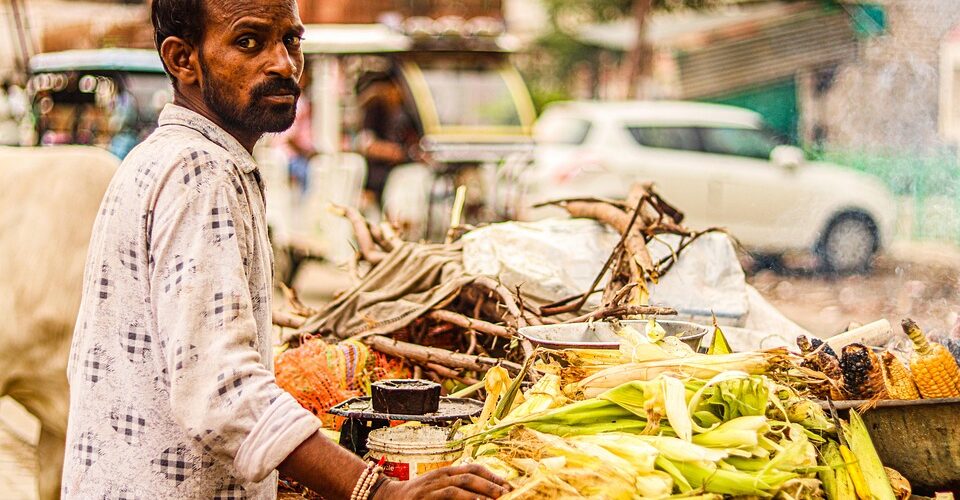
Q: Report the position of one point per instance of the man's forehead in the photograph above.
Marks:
(227, 12)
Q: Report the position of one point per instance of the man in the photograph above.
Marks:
(172, 390)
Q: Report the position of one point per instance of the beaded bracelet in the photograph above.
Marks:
(366, 482)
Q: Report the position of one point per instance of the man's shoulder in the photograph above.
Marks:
(180, 159)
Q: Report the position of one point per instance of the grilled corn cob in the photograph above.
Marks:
(934, 369)
(897, 378)
(824, 361)
(808, 345)
(862, 374)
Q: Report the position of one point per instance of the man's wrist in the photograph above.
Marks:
(380, 488)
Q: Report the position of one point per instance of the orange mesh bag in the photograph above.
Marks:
(320, 375)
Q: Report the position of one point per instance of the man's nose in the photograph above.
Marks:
(283, 63)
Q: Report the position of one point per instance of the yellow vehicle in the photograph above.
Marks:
(469, 117)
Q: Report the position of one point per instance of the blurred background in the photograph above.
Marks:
(822, 134)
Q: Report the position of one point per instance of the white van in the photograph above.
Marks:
(722, 167)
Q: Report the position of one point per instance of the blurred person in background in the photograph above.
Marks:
(172, 391)
(296, 143)
(388, 137)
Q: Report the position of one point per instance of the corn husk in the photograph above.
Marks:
(836, 480)
(866, 455)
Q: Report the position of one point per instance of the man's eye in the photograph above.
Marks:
(293, 41)
(247, 43)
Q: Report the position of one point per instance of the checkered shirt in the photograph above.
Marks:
(171, 367)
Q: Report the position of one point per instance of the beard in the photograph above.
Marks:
(257, 116)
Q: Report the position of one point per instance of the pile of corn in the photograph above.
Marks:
(669, 423)
(859, 373)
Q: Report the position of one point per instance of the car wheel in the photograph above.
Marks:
(771, 262)
(849, 244)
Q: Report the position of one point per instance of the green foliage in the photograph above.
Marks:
(557, 54)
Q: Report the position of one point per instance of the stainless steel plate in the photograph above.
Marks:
(600, 335)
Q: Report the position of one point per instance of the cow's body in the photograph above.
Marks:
(49, 198)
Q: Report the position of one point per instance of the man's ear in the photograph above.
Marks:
(181, 60)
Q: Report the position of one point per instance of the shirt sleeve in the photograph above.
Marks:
(220, 391)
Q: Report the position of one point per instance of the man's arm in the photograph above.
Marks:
(323, 466)
(219, 390)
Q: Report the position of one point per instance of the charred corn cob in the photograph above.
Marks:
(824, 361)
(808, 345)
(862, 372)
(934, 369)
(897, 378)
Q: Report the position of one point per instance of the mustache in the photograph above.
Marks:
(276, 86)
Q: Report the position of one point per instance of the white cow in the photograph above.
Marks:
(49, 198)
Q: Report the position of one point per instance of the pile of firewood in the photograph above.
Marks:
(478, 327)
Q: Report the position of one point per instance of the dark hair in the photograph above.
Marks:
(180, 18)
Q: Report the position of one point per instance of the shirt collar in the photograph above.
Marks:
(173, 114)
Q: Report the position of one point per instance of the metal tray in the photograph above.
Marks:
(919, 438)
(600, 335)
(450, 409)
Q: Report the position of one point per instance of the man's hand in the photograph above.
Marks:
(465, 482)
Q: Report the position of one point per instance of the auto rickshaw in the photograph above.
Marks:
(468, 110)
(104, 97)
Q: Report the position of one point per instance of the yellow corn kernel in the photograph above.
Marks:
(897, 378)
(934, 369)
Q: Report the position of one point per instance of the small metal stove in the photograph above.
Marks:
(398, 400)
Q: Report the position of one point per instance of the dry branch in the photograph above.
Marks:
(422, 354)
(470, 323)
(293, 300)
(368, 247)
(621, 311)
(287, 320)
(509, 301)
(443, 371)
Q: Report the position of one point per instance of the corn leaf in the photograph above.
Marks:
(640, 454)
(740, 433)
(718, 345)
(675, 403)
(506, 402)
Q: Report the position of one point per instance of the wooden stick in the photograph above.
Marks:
(470, 323)
(361, 229)
(390, 236)
(376, 232)
(506, 296)
(622, 293)
(293, 300)
(620, 311)
(422, 354)
(286, 320)
(624, 234)
(443, 371)
(561, 203)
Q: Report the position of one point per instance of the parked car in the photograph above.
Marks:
(722, 167)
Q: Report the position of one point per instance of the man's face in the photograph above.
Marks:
(250, 61)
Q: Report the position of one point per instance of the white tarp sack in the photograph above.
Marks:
(557, 258)
(550, 259)
(707, 280)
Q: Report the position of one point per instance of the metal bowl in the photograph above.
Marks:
(600, 335)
